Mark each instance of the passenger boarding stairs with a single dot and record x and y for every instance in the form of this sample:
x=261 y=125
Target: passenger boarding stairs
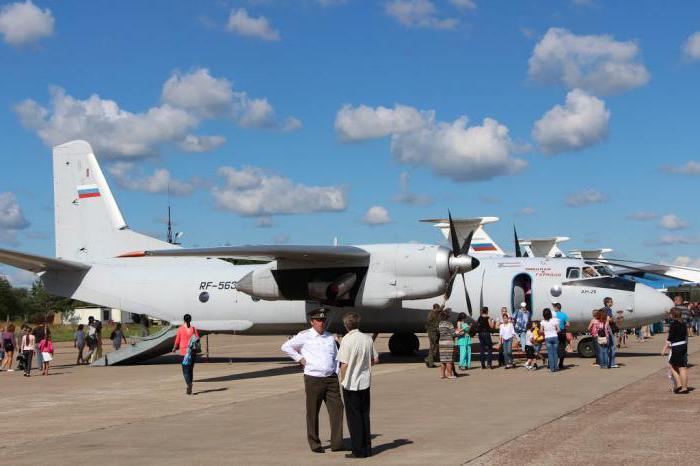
x=144 y=348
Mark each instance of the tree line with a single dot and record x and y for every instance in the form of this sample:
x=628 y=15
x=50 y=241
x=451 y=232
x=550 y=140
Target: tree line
x=33 y=304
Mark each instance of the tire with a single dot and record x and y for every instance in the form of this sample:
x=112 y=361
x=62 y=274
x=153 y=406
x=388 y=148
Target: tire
x=403 y=344
x=586 y=348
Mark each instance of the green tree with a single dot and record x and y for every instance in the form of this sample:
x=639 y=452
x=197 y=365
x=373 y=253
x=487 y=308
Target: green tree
x=8 y=300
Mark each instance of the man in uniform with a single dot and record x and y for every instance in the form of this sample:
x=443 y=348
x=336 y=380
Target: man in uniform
x=316 y=351
x=431 y=327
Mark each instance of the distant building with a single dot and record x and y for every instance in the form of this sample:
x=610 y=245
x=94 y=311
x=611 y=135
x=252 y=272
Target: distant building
x=80 y=315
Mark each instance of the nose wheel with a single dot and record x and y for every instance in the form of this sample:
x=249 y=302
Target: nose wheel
x=403 y=344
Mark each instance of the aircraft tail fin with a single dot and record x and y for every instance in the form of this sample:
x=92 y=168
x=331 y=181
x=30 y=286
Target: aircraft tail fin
x=482 y=244
x=89 y=225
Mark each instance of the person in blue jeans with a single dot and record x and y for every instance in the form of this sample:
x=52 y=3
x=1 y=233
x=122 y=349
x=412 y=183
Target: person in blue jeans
x=550 y=326
x=608 y=308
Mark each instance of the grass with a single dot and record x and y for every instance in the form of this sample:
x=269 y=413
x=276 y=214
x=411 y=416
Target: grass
x=61 y=333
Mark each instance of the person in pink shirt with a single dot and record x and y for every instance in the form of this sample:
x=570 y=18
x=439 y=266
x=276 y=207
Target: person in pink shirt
x=46 y=349
x=187 y=345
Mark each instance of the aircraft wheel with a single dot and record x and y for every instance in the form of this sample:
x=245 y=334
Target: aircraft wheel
x=586 y=348
x=403 y=344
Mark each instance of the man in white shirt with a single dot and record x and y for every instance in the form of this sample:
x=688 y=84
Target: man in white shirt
x=316 y=351
x=357 y=356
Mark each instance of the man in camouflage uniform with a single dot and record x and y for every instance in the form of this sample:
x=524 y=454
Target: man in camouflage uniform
x=431 y=327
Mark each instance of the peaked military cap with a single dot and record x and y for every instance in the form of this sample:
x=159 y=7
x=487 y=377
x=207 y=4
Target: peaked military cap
x=319 y=313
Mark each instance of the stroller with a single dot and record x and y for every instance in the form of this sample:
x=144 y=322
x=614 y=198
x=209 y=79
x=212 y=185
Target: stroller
x=21 y=362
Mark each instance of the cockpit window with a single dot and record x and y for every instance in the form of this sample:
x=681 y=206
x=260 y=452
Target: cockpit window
x=573 y=272
x=604 y=271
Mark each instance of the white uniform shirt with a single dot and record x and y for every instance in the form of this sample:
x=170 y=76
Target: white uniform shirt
x=357 y=351
x=319 y=352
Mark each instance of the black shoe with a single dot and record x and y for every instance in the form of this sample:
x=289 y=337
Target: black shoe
x=189 y=389
x=317 y=450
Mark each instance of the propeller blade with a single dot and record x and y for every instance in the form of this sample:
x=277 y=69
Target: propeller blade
x=453 y=235
x=448 y=291
x=467 y=244
x=481 y=293
x=466 y=293
x=518 y=253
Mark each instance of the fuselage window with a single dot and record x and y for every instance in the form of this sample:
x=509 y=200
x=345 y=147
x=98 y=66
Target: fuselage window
x=573 y=272
x=589 y=272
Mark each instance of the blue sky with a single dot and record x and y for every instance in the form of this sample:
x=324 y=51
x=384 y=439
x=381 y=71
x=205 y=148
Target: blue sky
x=579 y=115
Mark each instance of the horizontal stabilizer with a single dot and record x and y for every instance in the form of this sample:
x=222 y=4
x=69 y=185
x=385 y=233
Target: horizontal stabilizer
x=589 y=254
x=264 y=252
x=544 y=247
x=38 y=264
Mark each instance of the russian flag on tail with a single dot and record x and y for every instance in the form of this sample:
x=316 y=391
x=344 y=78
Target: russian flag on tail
x=89 y=190
x=478 y=247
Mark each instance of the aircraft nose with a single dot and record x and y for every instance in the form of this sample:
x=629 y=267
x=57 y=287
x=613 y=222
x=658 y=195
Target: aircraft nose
x=650 y=305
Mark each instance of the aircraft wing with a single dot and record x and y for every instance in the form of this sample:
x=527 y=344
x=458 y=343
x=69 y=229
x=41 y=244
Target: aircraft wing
x=482 y=244
x=37 y=264
x=687 y=274
x=264 y=252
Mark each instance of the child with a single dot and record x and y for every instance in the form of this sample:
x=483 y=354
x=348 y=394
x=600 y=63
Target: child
x=46 y=349
x=537 y=340
x=507 y=334
x=531 y=363
x=79 y=342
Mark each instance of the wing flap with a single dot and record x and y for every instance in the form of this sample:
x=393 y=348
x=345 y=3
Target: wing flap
x=264 y=252
x=36 y=264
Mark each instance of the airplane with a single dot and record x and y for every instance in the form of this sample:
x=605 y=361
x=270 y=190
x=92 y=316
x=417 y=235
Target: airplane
x=100 y=260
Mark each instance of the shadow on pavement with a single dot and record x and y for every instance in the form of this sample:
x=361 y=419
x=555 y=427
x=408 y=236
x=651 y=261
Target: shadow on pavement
x=202 y=392
x=255 y=374
x=376 y=450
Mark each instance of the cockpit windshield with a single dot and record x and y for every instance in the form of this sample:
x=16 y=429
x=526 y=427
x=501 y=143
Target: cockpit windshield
x=604 y=271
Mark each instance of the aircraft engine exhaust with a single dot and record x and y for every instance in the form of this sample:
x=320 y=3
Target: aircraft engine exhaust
x=330 y=292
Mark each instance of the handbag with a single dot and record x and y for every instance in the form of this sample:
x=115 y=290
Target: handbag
x=602 y=338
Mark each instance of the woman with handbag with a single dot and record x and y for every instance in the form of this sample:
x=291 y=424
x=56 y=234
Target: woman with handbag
x=600 y=330
x=187 y=341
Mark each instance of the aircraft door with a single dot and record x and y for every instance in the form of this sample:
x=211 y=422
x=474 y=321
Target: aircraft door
x=521 y=291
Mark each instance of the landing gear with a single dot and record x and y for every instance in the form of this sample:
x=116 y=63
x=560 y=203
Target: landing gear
x=586 y=348
x=403 y=344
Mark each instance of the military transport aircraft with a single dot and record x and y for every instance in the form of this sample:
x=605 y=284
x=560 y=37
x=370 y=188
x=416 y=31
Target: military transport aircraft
x=100 y=260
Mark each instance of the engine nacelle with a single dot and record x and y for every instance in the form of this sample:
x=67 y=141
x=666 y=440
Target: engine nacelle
x=261 y=284
x=403 y=272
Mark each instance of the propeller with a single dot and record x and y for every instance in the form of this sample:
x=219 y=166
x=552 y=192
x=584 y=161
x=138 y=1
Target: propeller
x=460 y=262
x=518 y=252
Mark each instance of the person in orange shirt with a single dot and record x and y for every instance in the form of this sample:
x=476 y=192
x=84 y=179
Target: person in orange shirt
x=187 y=345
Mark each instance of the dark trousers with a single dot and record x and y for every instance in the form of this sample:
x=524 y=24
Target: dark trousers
x=28 y=355
x=486 y=352
x=357 y=412
x=433 y=350
x=562 y=348
x=188 y=372
x=320 y=390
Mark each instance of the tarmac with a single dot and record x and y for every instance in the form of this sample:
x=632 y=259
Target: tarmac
x=248 y=408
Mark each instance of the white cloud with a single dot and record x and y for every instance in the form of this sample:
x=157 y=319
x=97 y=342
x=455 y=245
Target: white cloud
x=24 y=23
x=691 y=48
x=642 y=216
x=405 y=196
x=580 y=123
x=199 y=92
x=362 y=122
x=418 y=13
x=685 y=261
x=11 y=218
x=194 y=143
x=376 y=215
x=160 y=182
x=690 y=168
x=459 y=152
x=589 y=196
x=291 y=124
x=464 y=4
x=21 y=278
x=672 y=222
x=251 y=191
x=112 y=131
x=264 y=222
x=241 y=23
x=666 y=240
x=527 y=211
x=596 y=63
